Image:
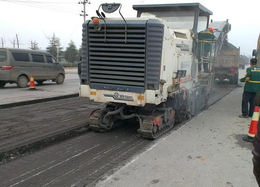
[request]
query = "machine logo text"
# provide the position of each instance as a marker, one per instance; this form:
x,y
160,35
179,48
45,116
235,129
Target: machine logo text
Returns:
x,y
117,96
183,47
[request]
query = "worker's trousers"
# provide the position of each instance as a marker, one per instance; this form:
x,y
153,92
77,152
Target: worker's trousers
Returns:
x,y
248,97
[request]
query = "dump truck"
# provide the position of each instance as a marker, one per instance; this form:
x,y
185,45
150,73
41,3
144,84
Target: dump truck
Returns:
x,y
226,64
226,67
145,69
256,52
243,61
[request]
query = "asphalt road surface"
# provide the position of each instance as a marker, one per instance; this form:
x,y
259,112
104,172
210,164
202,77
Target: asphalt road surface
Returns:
x,y
12,94
78,161
81,160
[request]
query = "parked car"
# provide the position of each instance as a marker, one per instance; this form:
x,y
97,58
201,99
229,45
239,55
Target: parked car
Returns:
x,y
17,65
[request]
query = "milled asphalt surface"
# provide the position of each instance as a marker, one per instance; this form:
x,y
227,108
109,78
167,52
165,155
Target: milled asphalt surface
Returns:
x,y
28,127
208,151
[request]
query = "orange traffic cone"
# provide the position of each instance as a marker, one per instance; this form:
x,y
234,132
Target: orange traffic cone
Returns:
x,y
253,126
32,84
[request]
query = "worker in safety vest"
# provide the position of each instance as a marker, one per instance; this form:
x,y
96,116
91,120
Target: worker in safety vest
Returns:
x,y
205,40
252,86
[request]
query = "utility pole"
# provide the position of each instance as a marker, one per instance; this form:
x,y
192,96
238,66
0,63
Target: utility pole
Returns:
x,y
55,43
17,41
84,2
13,42
2,39
34,45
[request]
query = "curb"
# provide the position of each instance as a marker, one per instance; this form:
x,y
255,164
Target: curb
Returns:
x,y
22,103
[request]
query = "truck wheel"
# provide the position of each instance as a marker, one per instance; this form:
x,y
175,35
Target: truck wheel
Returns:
x,y
234,79
60,79
22,81
2,84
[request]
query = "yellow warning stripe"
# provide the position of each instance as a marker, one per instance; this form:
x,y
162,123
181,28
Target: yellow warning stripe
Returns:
x,y
254,81
255,116
251,135
206,41
206,33
255,70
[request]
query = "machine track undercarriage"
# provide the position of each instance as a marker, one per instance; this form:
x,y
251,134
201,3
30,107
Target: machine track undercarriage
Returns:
x,y
152,123
153,120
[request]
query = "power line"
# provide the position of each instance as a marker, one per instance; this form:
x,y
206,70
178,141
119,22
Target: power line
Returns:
x,y
46,2
50,2
41,6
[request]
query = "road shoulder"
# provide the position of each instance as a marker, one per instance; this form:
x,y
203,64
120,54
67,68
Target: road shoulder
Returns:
x,y
206,151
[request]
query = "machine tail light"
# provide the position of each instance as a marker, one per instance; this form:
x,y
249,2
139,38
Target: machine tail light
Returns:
x,y
232,69
7,67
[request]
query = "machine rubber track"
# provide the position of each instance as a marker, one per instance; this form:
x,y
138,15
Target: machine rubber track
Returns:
x,y
99,122
94,126
95,120
148,129
151,126
150,134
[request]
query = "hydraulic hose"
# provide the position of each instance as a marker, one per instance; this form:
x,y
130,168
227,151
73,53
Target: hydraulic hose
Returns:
x,y
127,116
116,111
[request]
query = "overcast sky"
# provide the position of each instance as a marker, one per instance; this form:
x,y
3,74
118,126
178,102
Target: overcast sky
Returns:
x,y
35,20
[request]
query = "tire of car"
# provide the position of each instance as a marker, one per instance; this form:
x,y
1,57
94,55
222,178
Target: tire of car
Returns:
x,y
22,81
60,79
2,84
40,82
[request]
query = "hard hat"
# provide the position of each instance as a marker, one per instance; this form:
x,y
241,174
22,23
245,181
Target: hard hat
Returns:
x,y
211,28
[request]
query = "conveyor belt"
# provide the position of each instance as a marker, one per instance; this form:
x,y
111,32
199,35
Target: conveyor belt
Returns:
x,y
221,29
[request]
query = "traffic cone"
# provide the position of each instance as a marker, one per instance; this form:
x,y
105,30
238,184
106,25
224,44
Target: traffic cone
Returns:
x,y
32,84
253,126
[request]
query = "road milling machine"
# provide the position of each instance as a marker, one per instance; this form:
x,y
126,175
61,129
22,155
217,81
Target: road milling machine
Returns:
x,y
145,69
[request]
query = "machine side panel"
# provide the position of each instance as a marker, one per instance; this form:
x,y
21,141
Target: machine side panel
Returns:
x,y
155,32
85,54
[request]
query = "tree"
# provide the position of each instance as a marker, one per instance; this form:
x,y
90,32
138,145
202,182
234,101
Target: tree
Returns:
x,y
54,47
71,54
34,45
244,59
